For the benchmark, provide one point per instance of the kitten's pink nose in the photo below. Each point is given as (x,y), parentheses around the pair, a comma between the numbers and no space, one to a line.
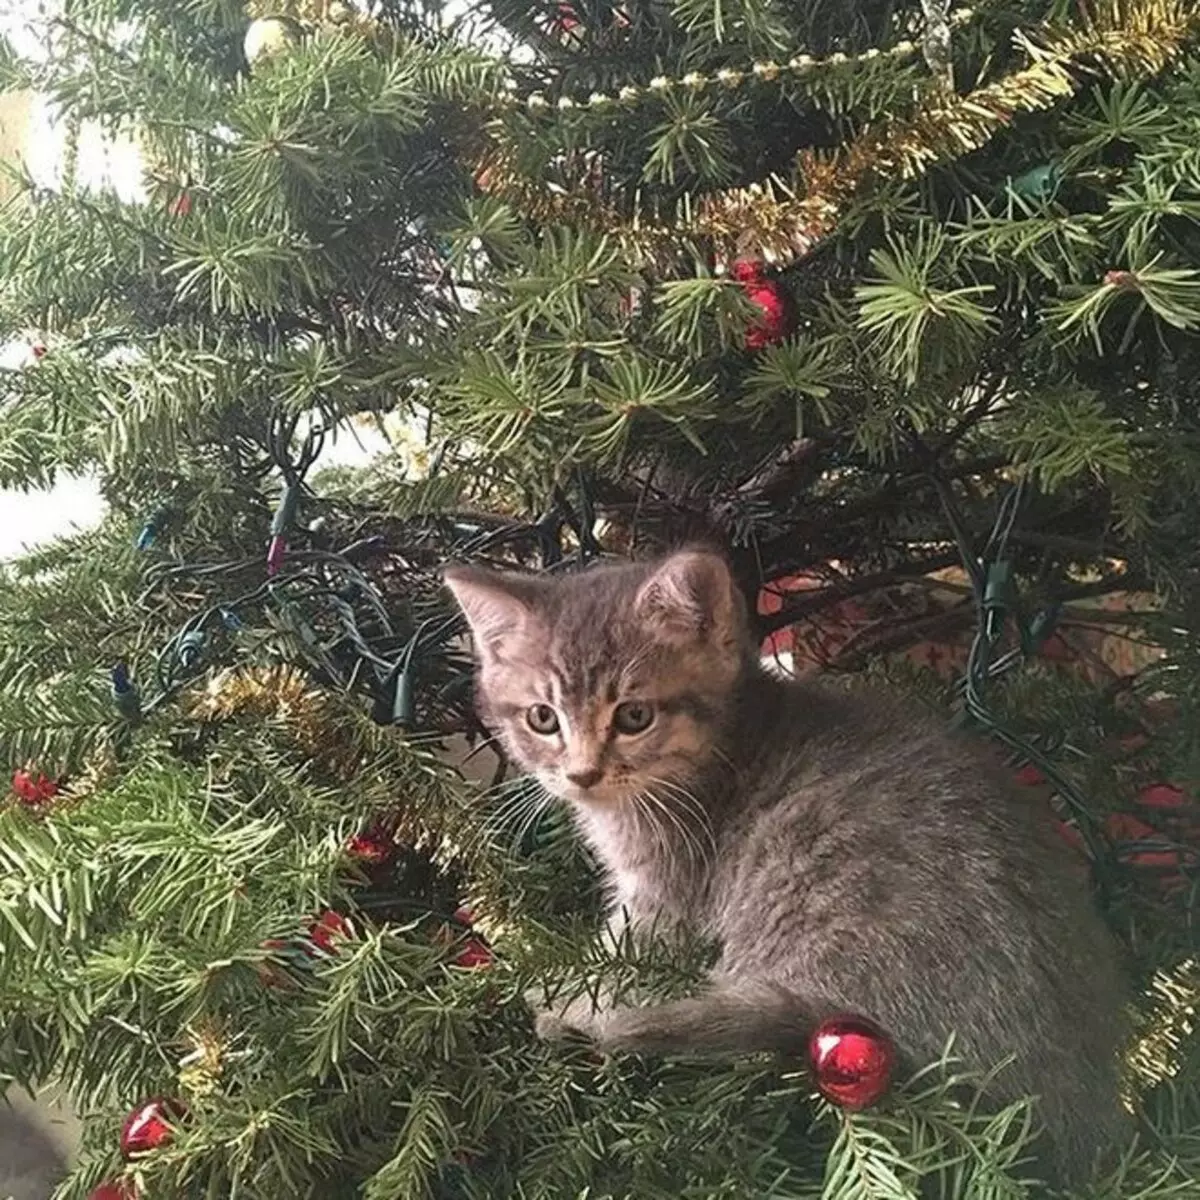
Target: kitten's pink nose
(585,777)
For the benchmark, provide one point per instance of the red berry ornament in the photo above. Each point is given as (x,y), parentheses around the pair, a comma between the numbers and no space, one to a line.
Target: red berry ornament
(373,846)
(329,925)
(150,1126)
(566,25)
(474,950)
(1072,837)
(852,1061)
(33,790)
(1162,795)
(475,953)
(766,294)
(114,1189)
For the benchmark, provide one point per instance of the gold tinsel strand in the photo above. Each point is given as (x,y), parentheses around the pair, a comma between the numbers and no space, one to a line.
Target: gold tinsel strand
(281,694)
(777,220)
(258,691)
(100,767)
(1159,1048)
(201,1068)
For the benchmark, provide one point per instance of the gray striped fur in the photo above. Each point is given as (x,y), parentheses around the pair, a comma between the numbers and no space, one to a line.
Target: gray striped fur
(847,851)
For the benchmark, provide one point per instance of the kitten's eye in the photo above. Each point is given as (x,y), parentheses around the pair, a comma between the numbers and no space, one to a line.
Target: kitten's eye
(542,719)
(634,716)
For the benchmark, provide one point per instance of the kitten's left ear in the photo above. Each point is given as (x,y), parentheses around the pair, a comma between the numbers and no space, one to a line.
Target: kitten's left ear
(691,595)
(497,606)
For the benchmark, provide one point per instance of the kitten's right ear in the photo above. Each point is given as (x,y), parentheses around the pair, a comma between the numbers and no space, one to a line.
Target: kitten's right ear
(497,606)
(691,595)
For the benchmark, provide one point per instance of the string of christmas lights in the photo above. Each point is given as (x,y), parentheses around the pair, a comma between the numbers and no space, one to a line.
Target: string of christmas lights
(324,609)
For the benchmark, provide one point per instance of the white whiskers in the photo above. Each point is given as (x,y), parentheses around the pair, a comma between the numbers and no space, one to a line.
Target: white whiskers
(520,810)
(687,816)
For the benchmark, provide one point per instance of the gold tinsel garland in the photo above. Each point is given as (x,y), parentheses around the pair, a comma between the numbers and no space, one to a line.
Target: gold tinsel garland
(201,1068)
(1162,1041)
(280,694)
(780,220)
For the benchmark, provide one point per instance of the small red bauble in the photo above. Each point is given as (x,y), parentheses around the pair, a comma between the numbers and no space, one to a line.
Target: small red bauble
(180,205)
(474,953)
(1072,837)
(852,1061)
(1161,795)
(373,846)
(565,25)
(33,790)
(474,950)
(1144,845)
(38,350)
(329,924)
(746,270)
(114,1189)
(766,294)
(150,1125)
(1029,776)
(1125,827)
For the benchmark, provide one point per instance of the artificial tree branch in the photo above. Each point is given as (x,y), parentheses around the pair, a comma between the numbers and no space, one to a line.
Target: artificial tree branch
(816,601)
(874,640)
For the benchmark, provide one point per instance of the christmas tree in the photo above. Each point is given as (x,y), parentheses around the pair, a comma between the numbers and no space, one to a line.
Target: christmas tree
(896,301)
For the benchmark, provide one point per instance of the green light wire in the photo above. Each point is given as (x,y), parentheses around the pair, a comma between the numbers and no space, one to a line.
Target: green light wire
(996,603)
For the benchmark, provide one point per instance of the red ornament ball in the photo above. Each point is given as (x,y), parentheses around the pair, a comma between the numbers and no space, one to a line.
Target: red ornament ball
(1162,795)
(852,1061)
(151,1125)
(33,790)
(1072,837)
(373,846)
(767,295)
(747,270)
(565,24)
(474,950)
(474,953)
(329,925)
(114,1189)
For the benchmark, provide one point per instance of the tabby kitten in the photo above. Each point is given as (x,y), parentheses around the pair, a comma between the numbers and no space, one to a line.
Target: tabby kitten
(846,852)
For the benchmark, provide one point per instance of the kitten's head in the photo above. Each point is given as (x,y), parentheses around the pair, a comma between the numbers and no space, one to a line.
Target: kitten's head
(612,681)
